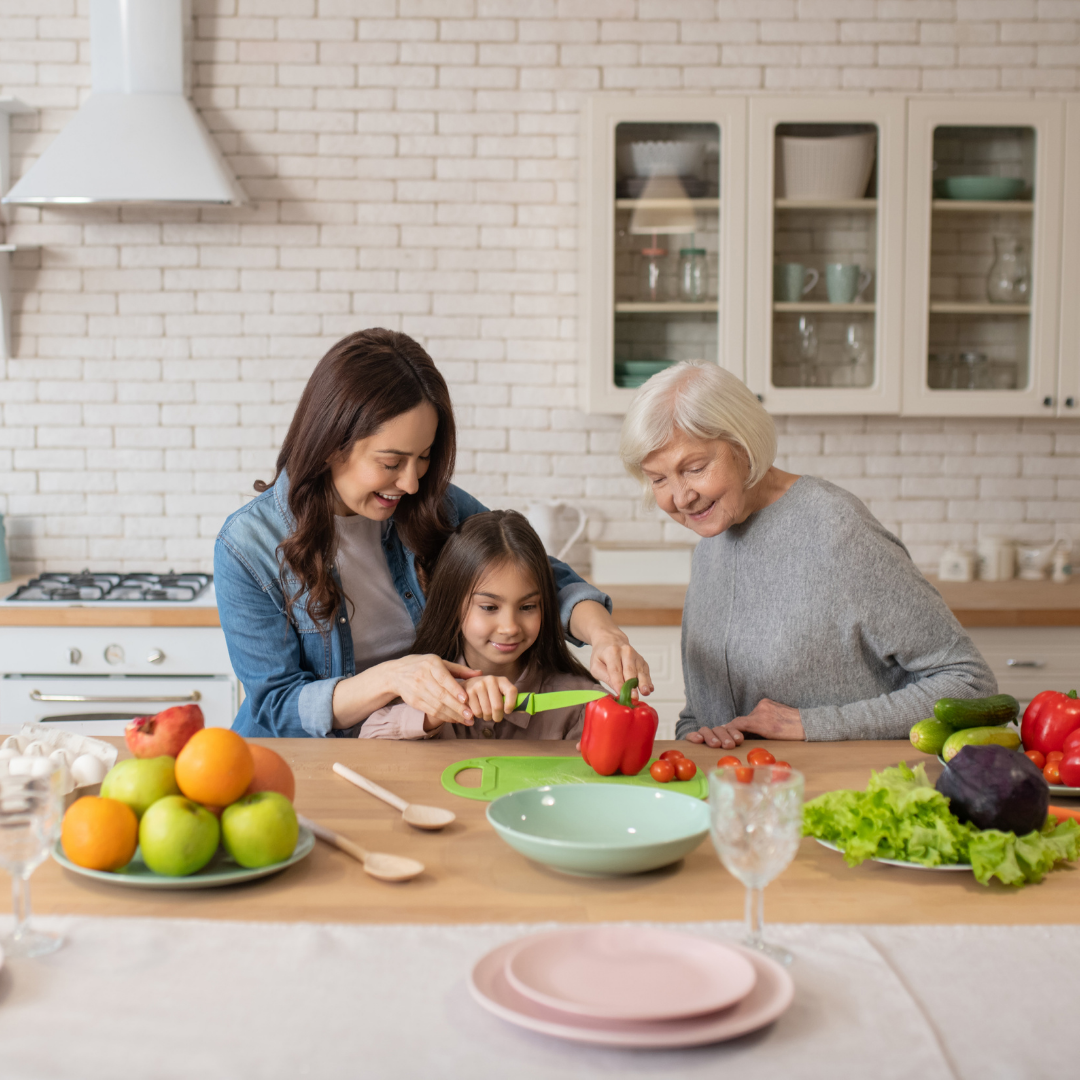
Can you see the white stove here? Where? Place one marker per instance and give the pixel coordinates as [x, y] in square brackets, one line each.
[116, 660]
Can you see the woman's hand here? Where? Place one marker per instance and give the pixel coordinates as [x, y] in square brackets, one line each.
[614, 659]
[768, 718]
[491, 696]
[429, 683]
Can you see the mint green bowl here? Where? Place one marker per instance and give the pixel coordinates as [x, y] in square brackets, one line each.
[978, 188]
[600, 830]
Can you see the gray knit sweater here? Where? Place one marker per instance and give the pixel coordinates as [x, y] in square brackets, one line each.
[813, 603]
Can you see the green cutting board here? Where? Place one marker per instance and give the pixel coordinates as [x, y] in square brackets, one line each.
[501, 775]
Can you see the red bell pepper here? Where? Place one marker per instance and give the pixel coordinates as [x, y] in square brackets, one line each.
[618, 735]
[1049, 718]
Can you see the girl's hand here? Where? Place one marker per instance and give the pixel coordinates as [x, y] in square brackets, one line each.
[767, 718]
[491, 696]
[614, 660]
[429, 683]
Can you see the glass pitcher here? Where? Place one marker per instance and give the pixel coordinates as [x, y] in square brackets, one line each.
[1009, 277]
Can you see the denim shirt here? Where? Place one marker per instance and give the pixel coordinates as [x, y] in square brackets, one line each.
[289, 669]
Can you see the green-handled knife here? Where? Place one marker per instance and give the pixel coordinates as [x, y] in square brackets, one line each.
[557, 699]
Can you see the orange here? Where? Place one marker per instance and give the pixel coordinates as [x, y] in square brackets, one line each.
[99, 834]
[214, 767]
[272, 772]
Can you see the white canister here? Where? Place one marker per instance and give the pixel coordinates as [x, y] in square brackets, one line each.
[996, 559]
[1034, 561]
[957, 564]
[1061, 569]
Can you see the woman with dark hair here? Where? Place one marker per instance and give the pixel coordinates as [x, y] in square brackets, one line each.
[320, 578]
[493, 606]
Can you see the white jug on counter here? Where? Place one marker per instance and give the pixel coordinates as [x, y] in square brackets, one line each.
[543, 517]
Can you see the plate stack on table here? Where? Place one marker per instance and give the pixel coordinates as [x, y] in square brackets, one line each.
[626, 986]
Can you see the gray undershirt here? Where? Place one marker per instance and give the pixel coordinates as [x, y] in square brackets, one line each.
[379, 621]
[813, 603]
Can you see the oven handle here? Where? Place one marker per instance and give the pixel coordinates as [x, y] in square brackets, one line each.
[37, 695]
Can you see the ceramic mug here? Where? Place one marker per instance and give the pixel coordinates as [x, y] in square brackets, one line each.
[792, 281]
[844, 281]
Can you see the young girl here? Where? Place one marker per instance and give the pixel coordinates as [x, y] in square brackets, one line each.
[492, 606]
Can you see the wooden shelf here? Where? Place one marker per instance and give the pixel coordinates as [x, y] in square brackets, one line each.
[984, 206]
[938, 307]
[864, 205]
[822, 306]
[666, 204]
[674, 306]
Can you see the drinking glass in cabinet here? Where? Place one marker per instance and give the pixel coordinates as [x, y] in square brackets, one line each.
[693, 275]
[1009, 276]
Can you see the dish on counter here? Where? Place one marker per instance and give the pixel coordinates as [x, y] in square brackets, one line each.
[772, 994]
[600, 830]
[900, 862]
[220, 870]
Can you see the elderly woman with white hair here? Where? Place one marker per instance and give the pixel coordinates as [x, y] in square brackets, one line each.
[805, 618]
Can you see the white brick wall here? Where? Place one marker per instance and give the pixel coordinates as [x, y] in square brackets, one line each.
[413, 164]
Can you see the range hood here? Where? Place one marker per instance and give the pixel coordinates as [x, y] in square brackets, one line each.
[137, 137]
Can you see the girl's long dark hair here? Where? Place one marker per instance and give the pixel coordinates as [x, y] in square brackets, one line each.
[363, 382]
[482, 542]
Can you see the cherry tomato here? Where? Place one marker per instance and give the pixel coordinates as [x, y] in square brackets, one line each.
[1052, 773]
[672, 755]
[731, 760]
[760, 756]
[744, 775]
[1069, 769]
[662, 771]
[1072, 742]
[1039, 760]
[1054, 755]
[780, 772]
[783, 765]
[685, 769]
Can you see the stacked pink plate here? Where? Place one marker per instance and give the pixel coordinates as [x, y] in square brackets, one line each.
[629, 986]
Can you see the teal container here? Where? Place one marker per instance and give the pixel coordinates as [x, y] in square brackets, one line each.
[600, 830]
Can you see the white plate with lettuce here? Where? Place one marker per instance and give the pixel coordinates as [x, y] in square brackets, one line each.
[900, 862]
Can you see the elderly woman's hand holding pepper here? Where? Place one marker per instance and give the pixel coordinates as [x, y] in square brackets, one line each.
[768, 718]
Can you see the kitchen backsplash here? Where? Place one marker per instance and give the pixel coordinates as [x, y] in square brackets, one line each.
[413, 164]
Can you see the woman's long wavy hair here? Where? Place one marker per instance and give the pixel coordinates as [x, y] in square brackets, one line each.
[364, 381]
[482, 542]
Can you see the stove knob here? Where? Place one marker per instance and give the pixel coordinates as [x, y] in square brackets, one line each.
[114, 654]
[74, 656]
[156, 656]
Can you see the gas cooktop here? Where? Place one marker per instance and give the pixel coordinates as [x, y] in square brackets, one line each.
[89, 586]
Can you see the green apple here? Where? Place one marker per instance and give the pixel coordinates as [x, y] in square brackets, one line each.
[177, 837]
[260, 829]
[140, 782]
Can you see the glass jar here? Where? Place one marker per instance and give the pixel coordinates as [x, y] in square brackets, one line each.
[653, 278]
[693, 275]
[972, 371]
[1009, 278]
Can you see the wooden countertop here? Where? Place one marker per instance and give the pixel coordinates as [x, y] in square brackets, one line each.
[472, 876]
[974, 603]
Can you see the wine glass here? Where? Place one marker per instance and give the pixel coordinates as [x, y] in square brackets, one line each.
[855, 345]
[31, 810]
[756, 825]
[808, 350]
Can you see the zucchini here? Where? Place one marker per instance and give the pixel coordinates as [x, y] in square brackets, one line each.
[977, 712]
[979, 736]
[929, 735]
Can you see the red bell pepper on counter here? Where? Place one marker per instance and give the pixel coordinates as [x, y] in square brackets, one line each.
[1049, 719]
[618, 735]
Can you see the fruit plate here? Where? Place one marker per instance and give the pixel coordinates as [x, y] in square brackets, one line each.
[220, 870]
[901, 862]
[1055, 789]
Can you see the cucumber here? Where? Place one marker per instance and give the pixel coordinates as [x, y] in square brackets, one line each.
[979, 736]
[929, 735]
[977, 712]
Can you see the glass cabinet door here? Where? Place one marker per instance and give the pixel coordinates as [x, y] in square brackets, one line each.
[984, 190]
[659, 245]
[824, 253]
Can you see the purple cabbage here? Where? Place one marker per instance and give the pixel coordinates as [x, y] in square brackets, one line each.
[996, 788]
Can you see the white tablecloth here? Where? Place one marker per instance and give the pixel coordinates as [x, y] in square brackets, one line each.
[150, 998]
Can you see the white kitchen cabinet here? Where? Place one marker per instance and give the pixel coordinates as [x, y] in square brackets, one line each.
[1068, 391]
[682, 202]
[823, 351]
[660, 646]
[1029, 659]
[965, 354]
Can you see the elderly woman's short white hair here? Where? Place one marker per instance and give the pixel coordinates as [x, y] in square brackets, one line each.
[705, 402]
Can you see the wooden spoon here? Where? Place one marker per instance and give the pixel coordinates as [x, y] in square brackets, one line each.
[415, 814]
[383, 867]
